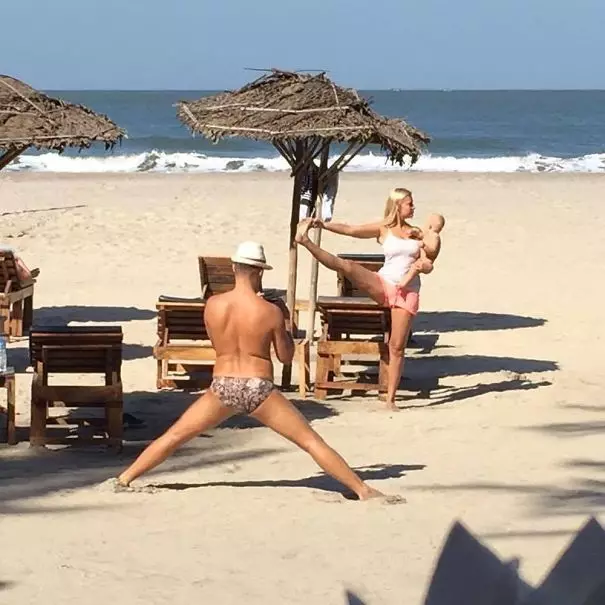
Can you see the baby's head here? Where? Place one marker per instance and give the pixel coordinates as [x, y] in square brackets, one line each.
[435, 222]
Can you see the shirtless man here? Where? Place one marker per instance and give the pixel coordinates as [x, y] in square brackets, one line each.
[431, 246]
[242, 327]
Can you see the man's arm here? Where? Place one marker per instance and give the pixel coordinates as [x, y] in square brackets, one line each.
[282, 338]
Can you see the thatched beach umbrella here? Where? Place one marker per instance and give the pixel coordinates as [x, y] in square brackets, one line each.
[302, 115]
[29, 118]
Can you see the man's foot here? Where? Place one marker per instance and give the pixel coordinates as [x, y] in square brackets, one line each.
[374, 494]
[302, 232]
[390, 406]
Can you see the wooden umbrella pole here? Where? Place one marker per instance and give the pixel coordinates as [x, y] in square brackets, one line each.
[10, 155]
[316, 235]
[293, 254]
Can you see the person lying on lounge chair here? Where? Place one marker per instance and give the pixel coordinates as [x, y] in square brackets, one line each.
[23, 272]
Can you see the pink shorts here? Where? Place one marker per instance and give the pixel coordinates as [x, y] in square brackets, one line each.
[397, 297]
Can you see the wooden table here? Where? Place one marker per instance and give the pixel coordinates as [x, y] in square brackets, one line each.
[7, 381]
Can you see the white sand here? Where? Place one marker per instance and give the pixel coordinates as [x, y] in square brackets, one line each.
[511, 442]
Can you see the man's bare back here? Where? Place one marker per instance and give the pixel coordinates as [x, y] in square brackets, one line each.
[242, 327]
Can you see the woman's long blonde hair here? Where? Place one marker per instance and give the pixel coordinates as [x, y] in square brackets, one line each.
[391, 218]
[390, 208]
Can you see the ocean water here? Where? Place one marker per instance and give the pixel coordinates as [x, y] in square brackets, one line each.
[472, 131]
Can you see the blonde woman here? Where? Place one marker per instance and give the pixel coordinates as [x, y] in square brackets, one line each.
[402, 244]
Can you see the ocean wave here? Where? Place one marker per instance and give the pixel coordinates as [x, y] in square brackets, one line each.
[159, 161]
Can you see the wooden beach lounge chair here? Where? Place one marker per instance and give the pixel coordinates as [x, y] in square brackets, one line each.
[354, 327]
[16, 296]
[183, 345]
[68, 351]
[216, 275]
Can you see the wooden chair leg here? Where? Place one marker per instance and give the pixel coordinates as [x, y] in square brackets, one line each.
[321, 374]
[37, 431]
[28, 313]
[336, 363]
[16, 321]
[5, 317]
[11, 428]
[159, 374]
[115, 424]
[286, 376]
[307, 363]
[303, 355]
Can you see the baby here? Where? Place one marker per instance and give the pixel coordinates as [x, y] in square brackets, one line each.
[430, 248]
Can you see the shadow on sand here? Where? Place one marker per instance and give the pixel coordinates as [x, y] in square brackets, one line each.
[46, 316]
[580, 493]
[445, 394]
[423, 375]
[465, 321]
[323, 482]
[46, 471]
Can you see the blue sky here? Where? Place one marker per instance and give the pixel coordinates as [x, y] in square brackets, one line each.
[201, 44]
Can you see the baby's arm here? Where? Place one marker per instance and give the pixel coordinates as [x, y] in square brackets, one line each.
[432, 245]
[422, 265]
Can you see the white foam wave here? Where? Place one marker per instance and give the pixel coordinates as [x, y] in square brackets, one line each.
[158, 161]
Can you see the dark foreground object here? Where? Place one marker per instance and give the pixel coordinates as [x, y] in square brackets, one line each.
[468, 573]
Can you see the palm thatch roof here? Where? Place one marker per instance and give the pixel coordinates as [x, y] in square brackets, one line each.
[30, 118]
[285, 106]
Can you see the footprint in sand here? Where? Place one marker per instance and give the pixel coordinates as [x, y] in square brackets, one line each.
[332, 498]
[112, 485]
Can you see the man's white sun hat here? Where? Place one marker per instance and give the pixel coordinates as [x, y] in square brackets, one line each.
[252, 254]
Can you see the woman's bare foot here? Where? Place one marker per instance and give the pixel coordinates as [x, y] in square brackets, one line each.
[373, 494]
[302, 231]
[390, 406]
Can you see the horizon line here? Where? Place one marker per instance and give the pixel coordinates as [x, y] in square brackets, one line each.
[390, 89]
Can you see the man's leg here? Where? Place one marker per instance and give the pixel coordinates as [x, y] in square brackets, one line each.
[277, 413]
[363, 278]
[205, 413]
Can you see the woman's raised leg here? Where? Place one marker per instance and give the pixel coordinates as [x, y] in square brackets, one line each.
[363, 278]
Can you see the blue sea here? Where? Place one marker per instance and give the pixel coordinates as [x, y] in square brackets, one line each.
[472, 131]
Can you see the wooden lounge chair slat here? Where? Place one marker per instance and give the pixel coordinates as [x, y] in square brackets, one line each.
[216, 275]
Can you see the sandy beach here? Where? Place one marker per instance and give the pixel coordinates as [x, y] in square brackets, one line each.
[510, 442]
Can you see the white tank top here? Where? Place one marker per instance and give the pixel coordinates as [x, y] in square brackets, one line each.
[399, 254]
